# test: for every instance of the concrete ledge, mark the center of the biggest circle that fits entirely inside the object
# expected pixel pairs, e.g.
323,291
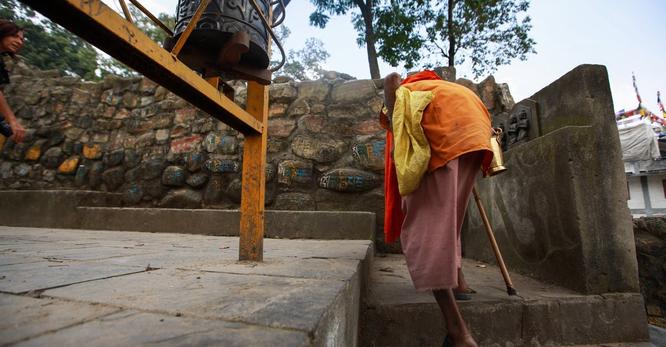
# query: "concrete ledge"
89,210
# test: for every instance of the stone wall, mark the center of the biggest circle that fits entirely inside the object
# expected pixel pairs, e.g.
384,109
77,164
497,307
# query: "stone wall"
130,136
650,234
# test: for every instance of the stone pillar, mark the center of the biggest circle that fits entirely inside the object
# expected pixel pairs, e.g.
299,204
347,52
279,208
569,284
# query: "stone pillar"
560,211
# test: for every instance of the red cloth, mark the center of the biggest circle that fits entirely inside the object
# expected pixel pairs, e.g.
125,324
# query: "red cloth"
393,215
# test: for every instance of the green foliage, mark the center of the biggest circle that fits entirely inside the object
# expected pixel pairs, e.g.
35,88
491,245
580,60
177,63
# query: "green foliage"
362,12
48,45
305,63
483,33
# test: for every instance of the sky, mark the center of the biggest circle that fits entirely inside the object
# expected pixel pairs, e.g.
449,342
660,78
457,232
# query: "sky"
625,36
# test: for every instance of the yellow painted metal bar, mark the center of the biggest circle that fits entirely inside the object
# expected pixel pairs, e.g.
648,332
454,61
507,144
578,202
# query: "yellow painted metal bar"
190,26
100,25
254,179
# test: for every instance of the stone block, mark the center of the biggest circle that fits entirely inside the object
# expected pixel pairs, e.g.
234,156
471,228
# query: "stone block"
35,151
295,202
295,172
319,149
217,165
349,180
181,198
174,176
113,178
197,180
186,144
52,158
281,127
370,155
353,91
69,166
282,92
315,90
557,212
92,151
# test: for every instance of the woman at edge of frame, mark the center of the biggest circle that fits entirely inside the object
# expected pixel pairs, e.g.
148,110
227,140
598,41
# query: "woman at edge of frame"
11,41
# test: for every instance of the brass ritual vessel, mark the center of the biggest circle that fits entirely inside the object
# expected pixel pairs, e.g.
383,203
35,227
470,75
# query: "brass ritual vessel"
497,164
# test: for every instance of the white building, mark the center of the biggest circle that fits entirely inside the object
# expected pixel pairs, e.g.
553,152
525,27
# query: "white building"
643,164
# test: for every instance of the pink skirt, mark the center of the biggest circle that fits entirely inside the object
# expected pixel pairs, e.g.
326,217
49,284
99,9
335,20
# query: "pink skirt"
434,215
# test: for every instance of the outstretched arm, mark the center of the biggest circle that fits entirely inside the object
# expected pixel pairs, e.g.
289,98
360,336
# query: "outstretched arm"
8,114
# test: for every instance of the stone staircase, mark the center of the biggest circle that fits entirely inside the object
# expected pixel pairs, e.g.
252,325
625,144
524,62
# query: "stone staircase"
390,312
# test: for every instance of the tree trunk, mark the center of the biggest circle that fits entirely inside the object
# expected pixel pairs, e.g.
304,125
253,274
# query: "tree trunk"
452,39
366,12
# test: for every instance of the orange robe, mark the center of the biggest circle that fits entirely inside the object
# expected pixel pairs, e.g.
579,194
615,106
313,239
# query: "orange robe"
456,122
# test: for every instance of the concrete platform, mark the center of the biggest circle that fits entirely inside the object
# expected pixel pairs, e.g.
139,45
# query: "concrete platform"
542,314
62,287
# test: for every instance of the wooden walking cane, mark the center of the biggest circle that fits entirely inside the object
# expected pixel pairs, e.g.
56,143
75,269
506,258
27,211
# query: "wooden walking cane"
489,231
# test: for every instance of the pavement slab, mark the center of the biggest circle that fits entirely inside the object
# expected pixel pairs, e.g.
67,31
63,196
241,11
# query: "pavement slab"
24,317
134,288
135,328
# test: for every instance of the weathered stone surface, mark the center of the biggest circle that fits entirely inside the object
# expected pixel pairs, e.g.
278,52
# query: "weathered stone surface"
81,175
277,110
216,165
113,178
295,202
370,155
186,144
282,127
315,90
234,190
52,158
95,176
69,166
22,170
92,151
35,151
353,91
282,92
132,158
194,161
349,180
151,168
132,195
295,171
181,198
174,176
546,211
6,170
153,189
298,108
197,180
18,151
114,158
214,190
319,149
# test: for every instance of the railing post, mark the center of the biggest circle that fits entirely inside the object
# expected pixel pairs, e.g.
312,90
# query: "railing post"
254,178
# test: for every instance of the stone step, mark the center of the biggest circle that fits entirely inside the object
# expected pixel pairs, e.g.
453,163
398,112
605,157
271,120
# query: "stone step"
99,211
64,287
541,314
